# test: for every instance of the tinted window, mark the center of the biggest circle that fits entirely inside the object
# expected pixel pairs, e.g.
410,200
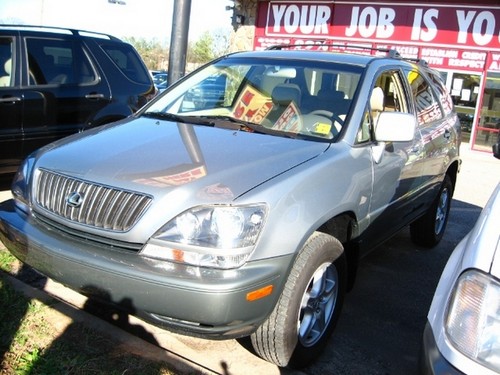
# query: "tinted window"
127,60
53,61
6,72
428,109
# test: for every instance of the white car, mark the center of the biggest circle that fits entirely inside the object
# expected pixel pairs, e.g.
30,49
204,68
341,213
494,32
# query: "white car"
462,334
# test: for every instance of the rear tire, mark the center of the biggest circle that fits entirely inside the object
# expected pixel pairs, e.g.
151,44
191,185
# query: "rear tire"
307,311
429,229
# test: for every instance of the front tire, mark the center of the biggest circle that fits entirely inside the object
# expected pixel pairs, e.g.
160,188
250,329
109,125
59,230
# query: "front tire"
429,229
308,309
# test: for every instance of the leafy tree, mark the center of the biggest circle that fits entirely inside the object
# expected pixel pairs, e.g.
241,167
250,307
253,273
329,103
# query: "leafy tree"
202,50
155,55
206,48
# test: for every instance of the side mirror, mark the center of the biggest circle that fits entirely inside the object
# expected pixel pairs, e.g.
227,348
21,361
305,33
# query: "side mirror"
395,127
496,148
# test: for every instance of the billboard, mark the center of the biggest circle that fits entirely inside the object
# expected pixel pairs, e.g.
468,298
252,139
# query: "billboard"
448,36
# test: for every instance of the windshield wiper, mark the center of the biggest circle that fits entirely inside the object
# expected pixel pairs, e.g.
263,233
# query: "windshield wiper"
221,121
228,122
178,118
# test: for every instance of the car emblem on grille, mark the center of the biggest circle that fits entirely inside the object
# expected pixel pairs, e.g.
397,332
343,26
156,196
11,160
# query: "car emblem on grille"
74,199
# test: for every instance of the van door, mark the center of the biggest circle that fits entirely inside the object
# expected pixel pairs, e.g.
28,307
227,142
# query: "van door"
11,106
64,90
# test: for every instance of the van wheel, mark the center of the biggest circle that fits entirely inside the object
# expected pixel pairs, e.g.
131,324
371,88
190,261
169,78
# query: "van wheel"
308,309
429,229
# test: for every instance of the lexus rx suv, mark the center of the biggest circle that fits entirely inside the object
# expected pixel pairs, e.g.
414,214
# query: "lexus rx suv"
245,214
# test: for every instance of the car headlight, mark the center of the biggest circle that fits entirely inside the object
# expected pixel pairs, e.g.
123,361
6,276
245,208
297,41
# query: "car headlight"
473,318
20,184
209,236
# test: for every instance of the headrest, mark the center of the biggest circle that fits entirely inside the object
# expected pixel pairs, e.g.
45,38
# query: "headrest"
8,66
285,93
377,100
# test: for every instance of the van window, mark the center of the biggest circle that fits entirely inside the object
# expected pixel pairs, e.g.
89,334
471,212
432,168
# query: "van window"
56,62
127,60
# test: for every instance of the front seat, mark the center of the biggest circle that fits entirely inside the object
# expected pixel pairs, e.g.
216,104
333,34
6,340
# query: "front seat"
282,96
6,79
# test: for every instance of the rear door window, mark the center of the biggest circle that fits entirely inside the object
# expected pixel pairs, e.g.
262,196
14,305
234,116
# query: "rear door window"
128,61
6,62
57,62
427,105
444,96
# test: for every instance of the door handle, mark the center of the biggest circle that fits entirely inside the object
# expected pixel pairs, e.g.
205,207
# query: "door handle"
94,96
10,99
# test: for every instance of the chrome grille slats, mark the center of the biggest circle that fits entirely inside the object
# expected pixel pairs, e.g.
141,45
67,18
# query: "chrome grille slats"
99,206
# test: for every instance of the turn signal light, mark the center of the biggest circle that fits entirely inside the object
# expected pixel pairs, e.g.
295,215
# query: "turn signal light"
259,293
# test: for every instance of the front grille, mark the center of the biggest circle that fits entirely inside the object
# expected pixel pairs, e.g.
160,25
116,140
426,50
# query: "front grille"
95,205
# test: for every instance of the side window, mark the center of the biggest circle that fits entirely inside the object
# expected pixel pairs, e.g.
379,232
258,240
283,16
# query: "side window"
53,61
428,109
128,61
6,63
387,95
444,96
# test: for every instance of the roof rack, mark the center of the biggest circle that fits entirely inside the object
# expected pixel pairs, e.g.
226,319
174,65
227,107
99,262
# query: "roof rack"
421,62
392,53
63,30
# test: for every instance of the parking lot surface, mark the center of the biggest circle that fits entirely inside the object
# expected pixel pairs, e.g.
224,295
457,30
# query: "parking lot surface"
381,326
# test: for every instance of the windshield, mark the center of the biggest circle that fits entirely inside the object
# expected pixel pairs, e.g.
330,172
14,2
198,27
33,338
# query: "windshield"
288,98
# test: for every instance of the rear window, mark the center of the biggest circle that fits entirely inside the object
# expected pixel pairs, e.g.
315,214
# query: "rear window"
128,61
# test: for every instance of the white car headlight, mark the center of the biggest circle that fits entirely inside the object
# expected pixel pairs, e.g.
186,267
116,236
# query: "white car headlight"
473,318
209,236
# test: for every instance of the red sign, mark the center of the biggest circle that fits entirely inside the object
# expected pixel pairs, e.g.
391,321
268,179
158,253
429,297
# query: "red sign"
449,36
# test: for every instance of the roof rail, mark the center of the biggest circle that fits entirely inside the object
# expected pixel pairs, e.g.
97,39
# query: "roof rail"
57,29
392,53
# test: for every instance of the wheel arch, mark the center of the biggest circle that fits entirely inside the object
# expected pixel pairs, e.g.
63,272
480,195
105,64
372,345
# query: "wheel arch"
452,172
344,227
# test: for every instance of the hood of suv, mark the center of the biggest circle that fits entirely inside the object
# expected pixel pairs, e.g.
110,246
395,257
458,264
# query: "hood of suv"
157,157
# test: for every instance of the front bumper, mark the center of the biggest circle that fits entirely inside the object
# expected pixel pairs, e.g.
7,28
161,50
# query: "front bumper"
431,360
201,302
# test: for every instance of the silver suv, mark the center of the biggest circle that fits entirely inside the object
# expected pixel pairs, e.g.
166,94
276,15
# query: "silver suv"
240,201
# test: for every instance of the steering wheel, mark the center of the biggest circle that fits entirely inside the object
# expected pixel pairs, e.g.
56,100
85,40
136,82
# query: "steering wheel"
328,114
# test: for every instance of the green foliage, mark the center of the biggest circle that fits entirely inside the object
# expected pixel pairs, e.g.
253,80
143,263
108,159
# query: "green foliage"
206,48
6,260
202,50
30,344
155,55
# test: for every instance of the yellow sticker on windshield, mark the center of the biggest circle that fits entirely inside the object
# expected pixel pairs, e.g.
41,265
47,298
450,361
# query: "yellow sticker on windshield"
321,128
